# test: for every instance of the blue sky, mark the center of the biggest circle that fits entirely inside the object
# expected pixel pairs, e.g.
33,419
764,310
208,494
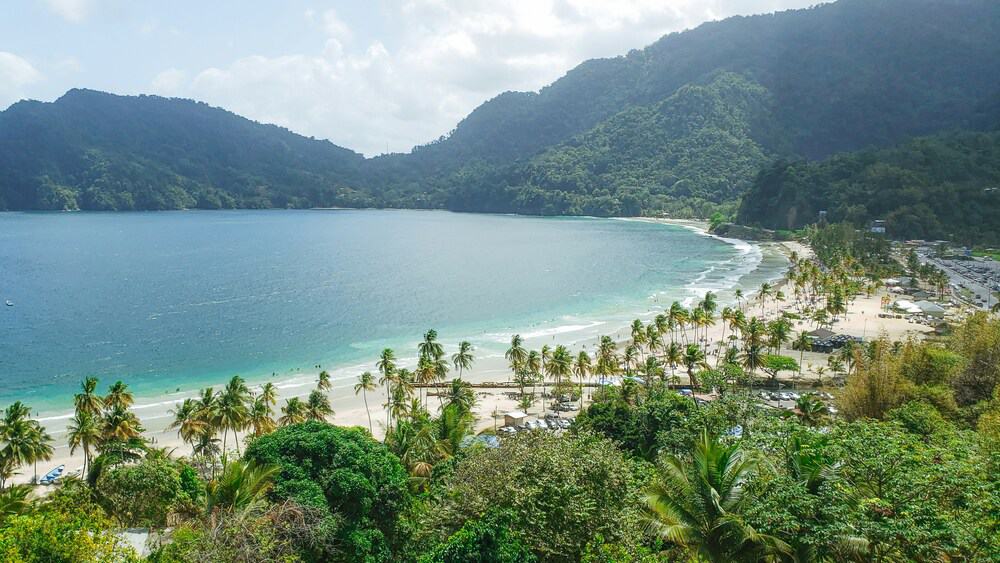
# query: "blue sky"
368,75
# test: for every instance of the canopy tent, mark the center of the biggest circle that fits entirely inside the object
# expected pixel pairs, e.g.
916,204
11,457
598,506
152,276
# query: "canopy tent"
907,306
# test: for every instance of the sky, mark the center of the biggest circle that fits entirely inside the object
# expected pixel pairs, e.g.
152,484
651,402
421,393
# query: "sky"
373,75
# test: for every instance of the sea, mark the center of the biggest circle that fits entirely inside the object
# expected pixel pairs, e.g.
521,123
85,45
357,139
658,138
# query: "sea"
171,302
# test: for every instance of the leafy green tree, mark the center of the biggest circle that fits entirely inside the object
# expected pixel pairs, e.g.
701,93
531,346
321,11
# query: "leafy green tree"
486,539
141,494
355,479
558,491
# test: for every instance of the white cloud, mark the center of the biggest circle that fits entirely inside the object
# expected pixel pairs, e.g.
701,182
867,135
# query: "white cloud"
169,82
71,10
15,74
448,57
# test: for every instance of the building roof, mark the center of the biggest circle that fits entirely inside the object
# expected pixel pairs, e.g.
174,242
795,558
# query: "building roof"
928,307
516,414
821,334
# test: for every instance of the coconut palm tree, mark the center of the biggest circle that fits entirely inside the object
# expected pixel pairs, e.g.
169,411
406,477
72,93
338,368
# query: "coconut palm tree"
673,355
425,373
88,400
560,366
188,421
763,294
463,359
810,410
293,412
41,445
269,394
516,355
386,366
638,335
323,383
366,383
430,347
84,431
652,368
630,359
693,357
240,484
581,368
607,358
15,501
697,504
802,343
261,417
120,425
233,410
318,407
118,396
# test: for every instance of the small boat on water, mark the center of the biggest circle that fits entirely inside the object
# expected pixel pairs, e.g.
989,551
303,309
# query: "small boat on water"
8,303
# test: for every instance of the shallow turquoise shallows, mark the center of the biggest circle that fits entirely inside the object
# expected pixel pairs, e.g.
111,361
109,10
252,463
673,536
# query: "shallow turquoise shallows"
176,300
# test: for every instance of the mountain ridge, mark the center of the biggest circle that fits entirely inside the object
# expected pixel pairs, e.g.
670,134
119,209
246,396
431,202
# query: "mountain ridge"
839,77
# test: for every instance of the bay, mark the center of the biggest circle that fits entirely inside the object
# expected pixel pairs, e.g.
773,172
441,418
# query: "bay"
172,301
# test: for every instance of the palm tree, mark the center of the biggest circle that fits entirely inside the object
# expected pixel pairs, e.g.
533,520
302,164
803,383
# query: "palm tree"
696,504
84,431
810,410
516,355
387,369
581,368
763,294
88,400
118,396
463,359
15,501
323,383
802,343
293,412
638,335
233,410
652,368
261,417
318,406
41,446
120,425
693,357
607,358
269,394
430,347
533,366
426,373
240,484
673,355
560,366
366,383
188,421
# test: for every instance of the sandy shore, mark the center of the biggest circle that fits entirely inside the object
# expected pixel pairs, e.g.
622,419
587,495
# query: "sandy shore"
862,320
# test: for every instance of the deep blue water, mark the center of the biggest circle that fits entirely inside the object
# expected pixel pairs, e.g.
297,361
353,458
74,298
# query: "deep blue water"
181,299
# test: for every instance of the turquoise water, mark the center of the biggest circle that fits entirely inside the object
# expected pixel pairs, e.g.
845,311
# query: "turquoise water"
176,300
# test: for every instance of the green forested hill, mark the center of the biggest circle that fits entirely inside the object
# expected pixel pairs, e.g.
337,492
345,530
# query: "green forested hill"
691,150
92,150
680,126
945,186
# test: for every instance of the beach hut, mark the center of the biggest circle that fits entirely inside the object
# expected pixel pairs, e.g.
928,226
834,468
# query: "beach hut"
930,309
514,418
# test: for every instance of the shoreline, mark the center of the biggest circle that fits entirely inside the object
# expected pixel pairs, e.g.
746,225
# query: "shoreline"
349,408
